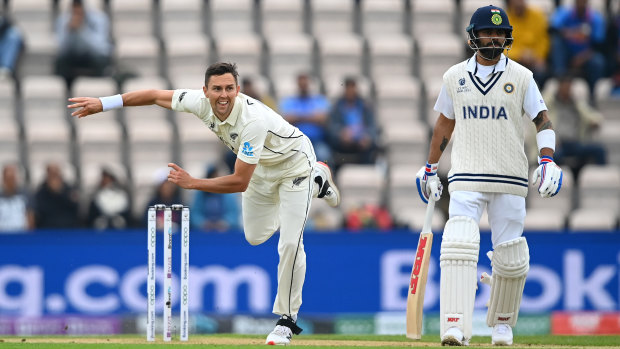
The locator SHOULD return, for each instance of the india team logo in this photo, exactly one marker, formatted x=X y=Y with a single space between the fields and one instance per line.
x=509 y=88
x=496 y=18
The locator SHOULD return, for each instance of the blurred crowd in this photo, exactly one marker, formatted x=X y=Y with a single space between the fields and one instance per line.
x=574 y=42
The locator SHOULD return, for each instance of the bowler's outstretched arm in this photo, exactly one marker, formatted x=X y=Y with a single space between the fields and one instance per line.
x=89 y=105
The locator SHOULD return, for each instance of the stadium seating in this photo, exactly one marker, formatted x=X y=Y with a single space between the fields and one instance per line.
x=289 y=54
x=387 y=17
x=593 y=219
x=599 y=187
x=360 y=185
x=331 y=17
x=432 y=18
x=396 y=50
x=438 y=53
x=609 y=137
x=46 y=121
x=286 y=16
x=341 y=54
x=182 y=17
x=398 y=98
x=334 y=86
x=246 y=50
x=187 y=55
x=406 y=142
x=231 y=16
x=139 y=55
x=390 y=54
x=132 y=18
x=99 y=139
x=545 y=219
x=9 y=133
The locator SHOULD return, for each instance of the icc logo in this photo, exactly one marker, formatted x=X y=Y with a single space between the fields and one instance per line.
x=462 y=81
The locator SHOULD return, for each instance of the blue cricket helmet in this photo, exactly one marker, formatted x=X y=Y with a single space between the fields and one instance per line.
x=489 y=17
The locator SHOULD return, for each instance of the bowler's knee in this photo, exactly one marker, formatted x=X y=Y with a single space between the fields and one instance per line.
x=257 y=236
x=254 y=240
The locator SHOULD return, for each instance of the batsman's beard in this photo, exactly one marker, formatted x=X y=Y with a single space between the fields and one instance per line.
x=491 y=52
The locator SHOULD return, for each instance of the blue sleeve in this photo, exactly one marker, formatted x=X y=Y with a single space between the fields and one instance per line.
x=285 y=106
x=196 y=216
x=231 y=209
x=598 y=28
x=322 y=103
x=558 y=18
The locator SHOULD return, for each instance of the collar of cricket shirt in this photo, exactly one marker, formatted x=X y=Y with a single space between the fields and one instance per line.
x=499 y=66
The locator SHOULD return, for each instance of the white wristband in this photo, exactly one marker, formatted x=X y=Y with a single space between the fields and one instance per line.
x=111 y=102
x=546 y=139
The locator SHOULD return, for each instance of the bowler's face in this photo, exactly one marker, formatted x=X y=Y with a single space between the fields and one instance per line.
x=221 y=92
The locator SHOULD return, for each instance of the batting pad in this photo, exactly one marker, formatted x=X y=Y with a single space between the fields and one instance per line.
x=459 y=256
x=511 y=262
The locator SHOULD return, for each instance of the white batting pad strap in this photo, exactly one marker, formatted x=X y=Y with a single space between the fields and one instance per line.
x=511 y=262
x=459 y=256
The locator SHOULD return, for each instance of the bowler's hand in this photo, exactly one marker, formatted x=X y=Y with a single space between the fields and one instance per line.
x=85 y=105
x=179 y=176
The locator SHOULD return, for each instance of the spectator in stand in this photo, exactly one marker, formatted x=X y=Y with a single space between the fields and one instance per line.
x=574 y=120
x=615 y=60
x=351 y=125
x=308 y=112
x=248 y=88
x=85 y=48
x=56 y=202
x=11 y=44
x=166 y=193
x=16 y=213
x=110 y=206
x=368 y=217
x=531 y=31
x=578 y=33
x=215 y=212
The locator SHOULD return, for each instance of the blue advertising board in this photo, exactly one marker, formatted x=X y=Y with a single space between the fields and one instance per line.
x=88 y=273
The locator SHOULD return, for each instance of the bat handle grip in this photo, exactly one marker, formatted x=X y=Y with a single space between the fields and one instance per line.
x=430 y=207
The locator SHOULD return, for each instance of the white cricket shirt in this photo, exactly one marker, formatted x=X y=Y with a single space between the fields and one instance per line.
x=487 y=104
x=253 y=131
x=532 y=104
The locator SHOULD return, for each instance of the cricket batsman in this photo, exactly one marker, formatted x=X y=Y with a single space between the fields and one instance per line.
x=481 y=104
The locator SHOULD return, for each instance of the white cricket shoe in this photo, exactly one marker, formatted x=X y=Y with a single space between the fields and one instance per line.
x=327 y=188
x=281 y=335
x=502 y=335
x=453 y=337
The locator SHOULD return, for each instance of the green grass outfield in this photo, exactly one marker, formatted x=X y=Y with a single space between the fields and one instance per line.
x=230 y=341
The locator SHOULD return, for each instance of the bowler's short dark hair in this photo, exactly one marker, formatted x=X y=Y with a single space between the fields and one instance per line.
x=221 y=68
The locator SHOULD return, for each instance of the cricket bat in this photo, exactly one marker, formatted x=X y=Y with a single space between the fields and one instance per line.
x=419 y=273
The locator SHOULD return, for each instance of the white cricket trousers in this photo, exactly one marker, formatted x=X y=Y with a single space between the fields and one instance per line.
x=506 y=212
x=279 y=196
